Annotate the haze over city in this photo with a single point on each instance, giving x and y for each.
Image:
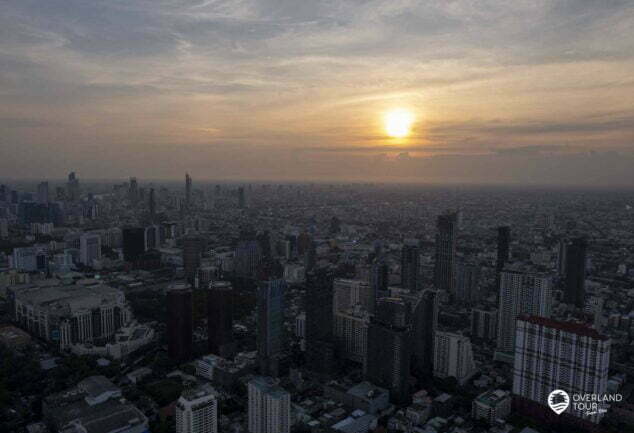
(533, 92)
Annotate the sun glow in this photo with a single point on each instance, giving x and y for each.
(398, 123)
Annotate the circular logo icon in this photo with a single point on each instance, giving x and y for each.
(558, 400)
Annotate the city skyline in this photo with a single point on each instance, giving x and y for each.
(533, 92)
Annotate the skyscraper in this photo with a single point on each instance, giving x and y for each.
(389, 349)
(453, 357)
(42, 193)
(73, 187)
(320, 352)
(241, 198)
(270, 325)
(196, 411)
(269, 407)
(152, 205)
(551, 355)
(484, 323)
(380, 277)
(467, 284)
(220, 319)
(424, 325)
(504, 247)
(192, 250)
(179, 322)
(575, 290)
(446, 240)
(133, 243)
(188, 191)
(522, 291)
(410, 264)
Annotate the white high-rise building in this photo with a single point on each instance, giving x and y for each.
(349, 293)
(521, 292)
(453, 356)
(351, 333)
(551, 355)
(197, 412)
(269, 407)
(89, 248)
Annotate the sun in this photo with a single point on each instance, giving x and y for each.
(398, 122)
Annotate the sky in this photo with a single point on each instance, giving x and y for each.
(537, 92)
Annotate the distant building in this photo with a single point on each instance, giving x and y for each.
(453, 357)
(320, 346)
(29, 259)
(446, 242)
(270, 324)
(196, 411)
(133, 243)
(484, 323)
(551, 355)
(503, 248)
(350, 293)
(269, 407)
(424, 325)
(179, 322)
(89, 248)
(410, 265)
(192, 250)
(575, 290)
(467, 284)
(492, 406)
(351, 334)
(220, 319)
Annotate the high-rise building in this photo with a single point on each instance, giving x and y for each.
(133, 243)
(446, 240)
(410, 265)
(196, 411)
(270, 325)
(380, 278)
(467, 284)
(521, 292)
(188, 191)
(453, 357)
(179, 322)
(241, 198)
(133, 191)
(192, 250)
(220, 319)
(152, 205)
(389, 349)
(424, 325)
(73, 187)
(320, 346)
(561, 257)
(484, 323)
(551, 355)
(247, 258)
(89, 248)
(351, 334)
(269, 407)
(4, 228)
(504, 247)
(349, 293)
(42, 193)
(575, 290)
(152, 236)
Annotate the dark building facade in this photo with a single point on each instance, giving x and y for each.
(270, 325)
(320, 347)
(575, 290)
(410, 265)
(179, 323)
(388, 357)
(424, 325)
(504, 247)
(133, 243)
(220, 319)
(192, 250)
(446, 239)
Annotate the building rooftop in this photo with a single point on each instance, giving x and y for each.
(570, 327)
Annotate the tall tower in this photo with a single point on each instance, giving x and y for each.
(319, 321)
(42, 193)
(446, 239)
(192, 250)
(73, 187)
(188, 191)
(179, 322)
(575, 291)
(270, 325)
(410, 264)
(152, 205)
(504, 247)
(389, 348)
(269, 407)
(521, 292)
(453, 357)
(424, 325)
(220, 319)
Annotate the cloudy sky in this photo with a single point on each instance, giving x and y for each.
(502, 91)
